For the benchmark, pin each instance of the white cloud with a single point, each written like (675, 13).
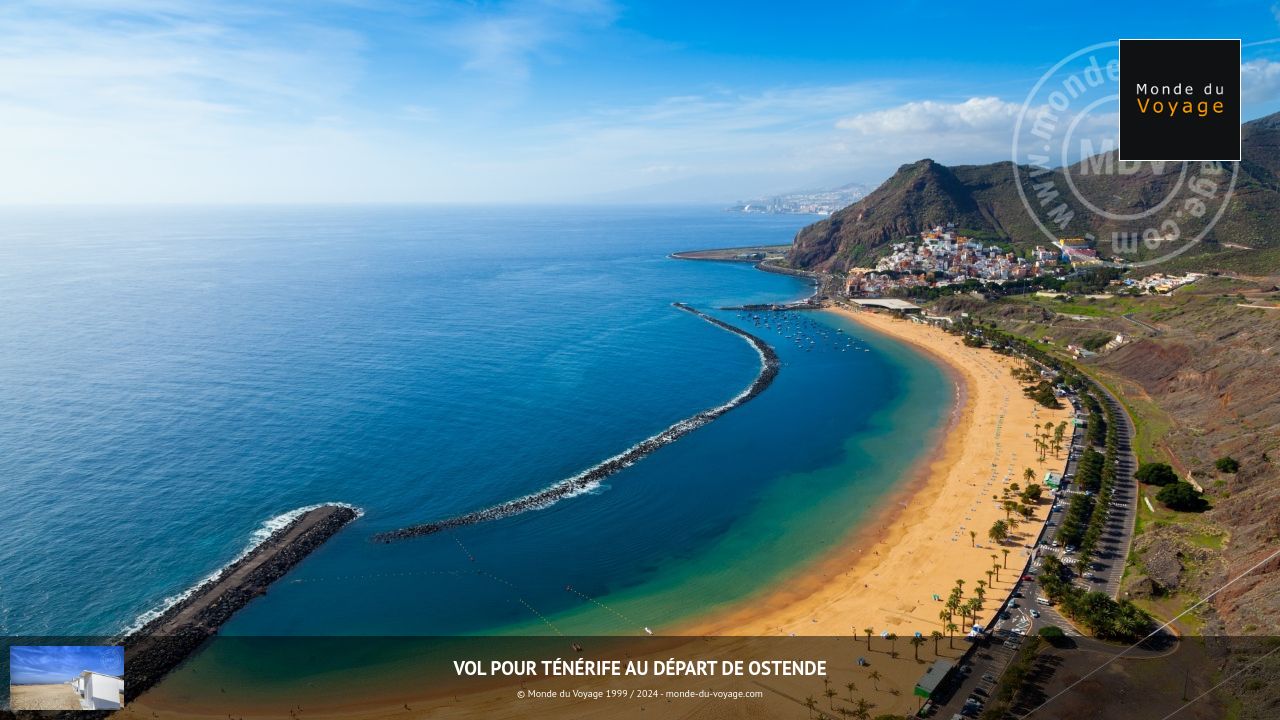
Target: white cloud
(977, 114)
(505, 43)
(1259, 81)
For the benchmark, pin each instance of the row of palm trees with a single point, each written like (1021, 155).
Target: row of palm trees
(1050, 438)
(861, 707)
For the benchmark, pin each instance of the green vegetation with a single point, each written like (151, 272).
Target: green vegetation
(999, 531)
(1042, 392)
(1104, 617)
(1054, 635)
(1227, 464)
(1089, 471)
(1076, 519)
(1156, 473)
(1182, 496)
(1031, 495)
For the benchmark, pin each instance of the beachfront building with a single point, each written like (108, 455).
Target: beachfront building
(932, 678)
(893, 304)
(98, 691)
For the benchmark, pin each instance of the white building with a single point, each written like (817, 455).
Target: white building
(98, 691)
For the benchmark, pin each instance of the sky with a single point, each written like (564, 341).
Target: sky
(544, 101)
(49, 664)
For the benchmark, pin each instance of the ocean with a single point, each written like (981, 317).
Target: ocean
(176, 378)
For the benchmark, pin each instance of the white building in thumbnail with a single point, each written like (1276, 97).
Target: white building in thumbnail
(98, 691)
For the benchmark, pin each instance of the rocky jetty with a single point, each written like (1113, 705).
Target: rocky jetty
(159, 646)
(590, 478)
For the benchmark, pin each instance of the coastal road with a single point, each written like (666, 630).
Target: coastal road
(1108, 564)
(1117, 536)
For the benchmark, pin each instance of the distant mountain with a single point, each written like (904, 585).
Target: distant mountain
(984, 200)
(822, 202)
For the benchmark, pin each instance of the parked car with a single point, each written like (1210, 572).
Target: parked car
(989, 677)
(1035, 613)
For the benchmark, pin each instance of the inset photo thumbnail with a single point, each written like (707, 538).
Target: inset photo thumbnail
(66, 677)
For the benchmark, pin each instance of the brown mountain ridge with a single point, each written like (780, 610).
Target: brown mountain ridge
(984, 201)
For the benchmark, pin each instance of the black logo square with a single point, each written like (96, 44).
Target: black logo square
(1180, 100)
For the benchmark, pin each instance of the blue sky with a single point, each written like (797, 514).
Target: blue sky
(35, 664)
(119, 101)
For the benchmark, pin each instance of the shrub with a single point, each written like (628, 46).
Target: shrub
(1181, 496)
(1227, 464)
(1156, 474)
(1054, 635)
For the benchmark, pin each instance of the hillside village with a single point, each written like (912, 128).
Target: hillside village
(942, 257)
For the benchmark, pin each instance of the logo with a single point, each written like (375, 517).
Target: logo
(1097, 209)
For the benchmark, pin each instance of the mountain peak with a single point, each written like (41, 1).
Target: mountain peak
(984, 201)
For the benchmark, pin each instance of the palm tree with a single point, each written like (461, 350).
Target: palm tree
(851, 686)
(973, 538)
(810, 703)
(868, 631)
(875, 678)
(951, 630)
(863, 711)
(1006, 556)
(996, 568)
(944, 616)
(999, 531)
(1029, 474)
(989, 574)
(831, 697)
(936, 637)
(893, 644)
(916, 642)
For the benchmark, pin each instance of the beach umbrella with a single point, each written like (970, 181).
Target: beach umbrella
(918, 634)
(884, 634)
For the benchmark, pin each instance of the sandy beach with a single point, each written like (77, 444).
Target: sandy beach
(56, 696)
(884, 576)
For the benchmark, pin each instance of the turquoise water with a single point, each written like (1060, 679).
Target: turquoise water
(174, 378)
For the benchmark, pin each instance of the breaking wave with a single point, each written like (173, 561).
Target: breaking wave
(256, 538)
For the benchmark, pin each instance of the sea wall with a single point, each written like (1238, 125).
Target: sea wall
(160, 645)
(590, 478)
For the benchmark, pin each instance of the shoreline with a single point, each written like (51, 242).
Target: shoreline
(898, 564)
(808, 604)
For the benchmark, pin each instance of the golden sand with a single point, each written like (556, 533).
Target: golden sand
(886, 576)
(883, 577)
